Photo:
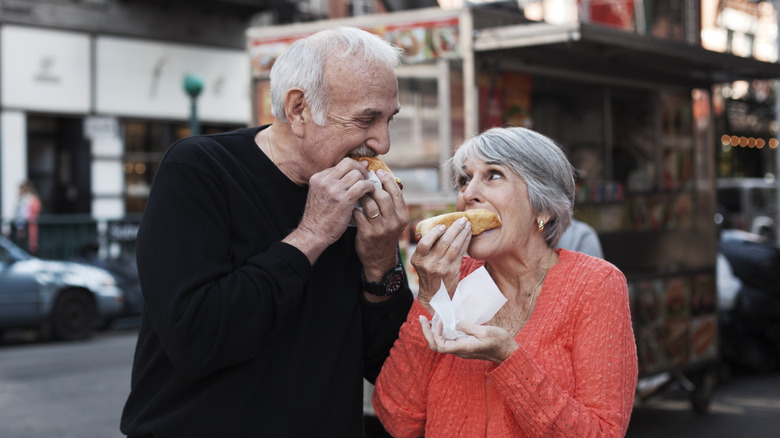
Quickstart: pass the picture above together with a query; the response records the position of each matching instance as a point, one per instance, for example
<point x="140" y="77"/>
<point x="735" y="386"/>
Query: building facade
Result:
<point x="91" y="95"/>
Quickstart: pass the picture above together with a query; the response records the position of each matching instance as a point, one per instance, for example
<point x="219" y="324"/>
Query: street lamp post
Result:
<point x="193" y="85"/>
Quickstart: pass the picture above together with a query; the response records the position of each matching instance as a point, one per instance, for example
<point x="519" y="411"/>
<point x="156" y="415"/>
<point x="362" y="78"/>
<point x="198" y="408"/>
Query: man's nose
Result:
<point x="379" y="139"/>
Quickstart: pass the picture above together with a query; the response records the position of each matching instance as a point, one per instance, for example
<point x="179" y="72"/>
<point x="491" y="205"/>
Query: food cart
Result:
<point x="634" y="115"/>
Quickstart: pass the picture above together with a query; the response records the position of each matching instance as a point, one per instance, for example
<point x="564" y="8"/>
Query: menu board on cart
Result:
<point x="674" y="321"/>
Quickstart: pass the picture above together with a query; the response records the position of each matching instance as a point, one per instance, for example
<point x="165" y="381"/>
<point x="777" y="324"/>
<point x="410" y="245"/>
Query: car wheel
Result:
<point x="73" y="316"/>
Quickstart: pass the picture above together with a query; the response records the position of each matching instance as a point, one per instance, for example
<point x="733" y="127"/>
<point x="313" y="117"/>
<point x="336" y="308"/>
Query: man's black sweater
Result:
<point x="241" y="336"/>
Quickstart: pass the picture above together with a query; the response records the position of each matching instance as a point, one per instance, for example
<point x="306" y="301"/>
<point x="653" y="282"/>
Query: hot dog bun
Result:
<point x="374" y="163"/>
<point x="481" y="220"/>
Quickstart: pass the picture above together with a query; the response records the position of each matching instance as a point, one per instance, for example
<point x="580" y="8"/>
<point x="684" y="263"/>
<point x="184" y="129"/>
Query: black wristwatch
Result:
<point x="390" y="284"/>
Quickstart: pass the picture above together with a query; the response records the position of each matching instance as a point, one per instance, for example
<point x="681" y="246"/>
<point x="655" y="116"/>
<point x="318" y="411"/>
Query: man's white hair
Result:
<point x="302" y="65"/>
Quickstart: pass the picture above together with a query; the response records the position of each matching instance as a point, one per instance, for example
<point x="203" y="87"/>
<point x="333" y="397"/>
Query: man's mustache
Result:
<point x="363" y="151"/>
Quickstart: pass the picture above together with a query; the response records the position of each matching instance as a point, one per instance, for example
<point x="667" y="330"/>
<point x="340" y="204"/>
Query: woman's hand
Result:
<point x="483" y="342"/>
<point x="438" y="258"/>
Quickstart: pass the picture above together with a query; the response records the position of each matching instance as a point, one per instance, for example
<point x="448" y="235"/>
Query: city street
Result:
<point x="746" y="406"/>
<point x="65" y="389"/>
<point x="77" y="390"/>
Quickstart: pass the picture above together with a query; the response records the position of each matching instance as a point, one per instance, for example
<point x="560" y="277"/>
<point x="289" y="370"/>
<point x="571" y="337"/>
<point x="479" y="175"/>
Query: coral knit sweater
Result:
<point x="574" y="373"/>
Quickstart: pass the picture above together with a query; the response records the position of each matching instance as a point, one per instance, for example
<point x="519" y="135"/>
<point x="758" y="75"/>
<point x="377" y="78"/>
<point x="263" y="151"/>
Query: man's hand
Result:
<point x="380" y="225"/>
<point x="333" y="194"/>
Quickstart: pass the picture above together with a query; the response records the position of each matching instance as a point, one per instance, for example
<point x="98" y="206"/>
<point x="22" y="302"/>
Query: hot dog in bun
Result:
<point x="374" y="163"/>
<point x="481" y="220"/>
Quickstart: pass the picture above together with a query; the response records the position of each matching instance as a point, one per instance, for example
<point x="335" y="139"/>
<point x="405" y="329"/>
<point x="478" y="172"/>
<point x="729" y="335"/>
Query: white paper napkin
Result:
<point x="374" y="179"/>
<point x="476" y="299"/>
<point x="377" y="182"/>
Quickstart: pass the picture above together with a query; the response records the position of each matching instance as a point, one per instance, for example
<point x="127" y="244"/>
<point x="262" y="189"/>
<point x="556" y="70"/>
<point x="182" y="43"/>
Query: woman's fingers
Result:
<point x="471" y="328"/>
<point x="428" y="333"/>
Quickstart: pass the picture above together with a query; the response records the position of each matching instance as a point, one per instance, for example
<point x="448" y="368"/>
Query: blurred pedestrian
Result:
<point x="583" y="238"/>
<point x="269" y="295"/>
<point x="28" y="208"/>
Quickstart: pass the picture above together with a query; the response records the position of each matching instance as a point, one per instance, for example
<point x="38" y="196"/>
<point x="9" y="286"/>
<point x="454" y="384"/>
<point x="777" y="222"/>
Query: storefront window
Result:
<point x="145" y="145"/>
<point x="58" y="163"/>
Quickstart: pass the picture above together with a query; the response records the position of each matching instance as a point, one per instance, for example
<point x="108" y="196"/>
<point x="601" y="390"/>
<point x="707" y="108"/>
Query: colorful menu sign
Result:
<point x="421" y="41"/>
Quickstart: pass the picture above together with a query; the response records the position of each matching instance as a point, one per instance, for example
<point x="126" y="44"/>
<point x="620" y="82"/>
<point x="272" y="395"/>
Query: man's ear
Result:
<point x="295" y="109"/>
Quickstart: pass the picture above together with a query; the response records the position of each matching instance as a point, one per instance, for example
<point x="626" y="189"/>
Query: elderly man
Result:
<point x="269" y="259"/>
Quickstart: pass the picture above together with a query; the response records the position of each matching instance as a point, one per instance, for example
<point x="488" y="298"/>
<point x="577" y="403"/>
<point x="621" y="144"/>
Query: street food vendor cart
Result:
<point x="634" y="115"/>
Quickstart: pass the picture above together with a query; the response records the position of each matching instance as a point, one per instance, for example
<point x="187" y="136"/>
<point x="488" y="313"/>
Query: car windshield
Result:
<point x="10" y="252"/>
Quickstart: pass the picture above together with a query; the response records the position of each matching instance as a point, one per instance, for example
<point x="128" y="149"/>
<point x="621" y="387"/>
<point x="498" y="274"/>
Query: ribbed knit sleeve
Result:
<point x="401" y="390"/>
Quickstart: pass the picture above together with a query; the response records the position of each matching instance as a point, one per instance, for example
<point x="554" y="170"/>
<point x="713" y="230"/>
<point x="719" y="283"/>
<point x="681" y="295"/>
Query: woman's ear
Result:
<point x="295" y="109"/>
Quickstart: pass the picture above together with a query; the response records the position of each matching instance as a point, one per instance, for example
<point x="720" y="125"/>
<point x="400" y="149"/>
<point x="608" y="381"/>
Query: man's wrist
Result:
<point x="389" y="284"/>
<point x="378" y="267"/>
<point x="307" y="242"/>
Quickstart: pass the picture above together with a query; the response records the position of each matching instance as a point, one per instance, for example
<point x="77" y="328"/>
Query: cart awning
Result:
<point x="603" y="52"/>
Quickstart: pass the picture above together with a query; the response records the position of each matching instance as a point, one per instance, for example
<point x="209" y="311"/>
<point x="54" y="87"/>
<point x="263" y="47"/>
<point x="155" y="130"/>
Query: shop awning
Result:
<point x="603" y="53"/>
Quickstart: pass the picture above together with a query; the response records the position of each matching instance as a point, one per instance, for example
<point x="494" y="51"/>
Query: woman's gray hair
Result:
<point x="538" y="160"/>
<point x="302" y="65"/>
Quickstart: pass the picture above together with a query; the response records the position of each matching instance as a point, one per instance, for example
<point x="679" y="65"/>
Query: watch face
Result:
<point x="395" y="282"/>
<point x="390" y="284"/>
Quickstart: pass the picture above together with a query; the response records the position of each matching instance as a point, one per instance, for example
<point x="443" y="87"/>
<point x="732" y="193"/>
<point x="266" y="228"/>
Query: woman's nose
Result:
<point x="470" y="192"/>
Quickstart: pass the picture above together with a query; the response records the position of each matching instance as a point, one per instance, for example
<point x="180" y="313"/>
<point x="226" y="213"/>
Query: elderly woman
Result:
<point x="559" y="358"/>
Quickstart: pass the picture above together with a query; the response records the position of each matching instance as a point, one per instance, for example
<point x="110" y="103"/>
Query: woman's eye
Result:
<point x="495" y="174"/>
<point x="463" y="181"/>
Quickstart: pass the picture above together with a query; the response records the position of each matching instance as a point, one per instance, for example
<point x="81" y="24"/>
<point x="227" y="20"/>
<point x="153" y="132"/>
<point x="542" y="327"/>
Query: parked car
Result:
<point x="124" y="269"/>
<point x="63" y="300"/>
<point x="749" y="301"/>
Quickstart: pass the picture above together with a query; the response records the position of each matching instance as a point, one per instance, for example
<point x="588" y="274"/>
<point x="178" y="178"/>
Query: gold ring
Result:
<point x="374" y="216"/>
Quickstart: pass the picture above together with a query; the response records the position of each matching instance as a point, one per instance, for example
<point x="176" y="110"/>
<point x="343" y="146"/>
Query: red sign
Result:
<point x="615" y="13"/>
